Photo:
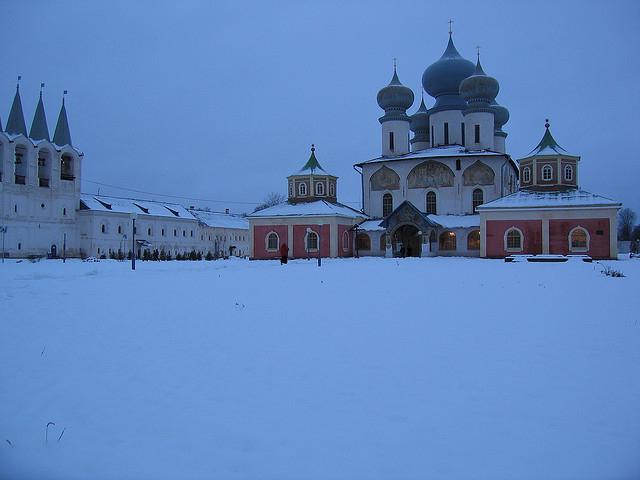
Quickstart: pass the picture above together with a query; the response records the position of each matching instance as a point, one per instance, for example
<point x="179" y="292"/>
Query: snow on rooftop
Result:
<point x="317" y="208"/>
<point x="130" y="205"/>
<point x="220" y="220"/>
<point x="456" y="221"/>
<point x="444" y="151"/>
<point x="372" y="226"/>
<point x="532" y="199"/>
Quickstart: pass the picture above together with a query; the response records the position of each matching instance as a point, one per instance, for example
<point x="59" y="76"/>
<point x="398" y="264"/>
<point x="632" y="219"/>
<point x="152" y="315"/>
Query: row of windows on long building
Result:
<point x="477" y="199"/>
<point x="163" y="233"/>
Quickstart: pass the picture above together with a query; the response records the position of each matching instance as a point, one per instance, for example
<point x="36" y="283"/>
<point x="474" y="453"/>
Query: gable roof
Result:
<point x="319" y="208"/>
<point x="555" y="199"/>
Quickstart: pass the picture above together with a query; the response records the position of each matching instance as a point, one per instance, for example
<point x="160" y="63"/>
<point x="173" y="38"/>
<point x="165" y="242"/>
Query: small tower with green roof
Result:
<point x="312" y="182"/>
<point x="549" y="167"/>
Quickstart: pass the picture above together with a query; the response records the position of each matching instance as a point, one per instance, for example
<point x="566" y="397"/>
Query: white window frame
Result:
<point x="475" y="210"/>
<point x="345" y="241"/>
<point x="426" y="203"/>
<point x="302" y="189"/>
<point x="568" y="169"/>
<point x="526" y="174"/>
<point x="266" y="242"/>
<point x="579" y="249"/>
<point x="306" y="242"/>
<point x="506" y="233"/>
<point x="547" y="168"/>
<point x="320" y="189"/>
<point x="332" y="189"/>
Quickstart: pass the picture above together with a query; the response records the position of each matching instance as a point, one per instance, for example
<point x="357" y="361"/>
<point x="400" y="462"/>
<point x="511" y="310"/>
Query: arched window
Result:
<point x="273" y="241"/>
<point x="473" y="240"/>
<point x="149" y="231"/>
<point x="345" y="241"/>
<point x="432" y="203"/>
<point x="478" y="199"/>
<point x="364" y="242"/>
<point x="387" y="204"/>
<point x="319" y="188"/>
<point x="526" y="174"/>
<point x="513" y="240"/>
<point x="383" y="242"/>
<point x="302" y="189"/>
<point x="568" y="172"/>
<point x="547" y="173"/>
<point x="332" y="189"/>
<point x="578" y="240"/>
<point x="119" y="229"/>
<point x="103" y="228"/>
<point x="311" y="241"/>
<point x="447" y="241"/>
<point x="66" y="167"/>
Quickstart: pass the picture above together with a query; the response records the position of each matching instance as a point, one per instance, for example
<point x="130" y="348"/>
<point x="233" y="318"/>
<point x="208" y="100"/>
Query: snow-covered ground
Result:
<point x="440" y="368"/>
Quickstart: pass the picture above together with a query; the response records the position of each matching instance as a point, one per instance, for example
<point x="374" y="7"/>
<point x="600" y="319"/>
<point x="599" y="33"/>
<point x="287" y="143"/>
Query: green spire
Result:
<point x="548" y="144"/>
<point x="15" y="122"/>
<point x="312" y="164"/>
<point x="62" y="136"/>
<point x="39" y="127"/>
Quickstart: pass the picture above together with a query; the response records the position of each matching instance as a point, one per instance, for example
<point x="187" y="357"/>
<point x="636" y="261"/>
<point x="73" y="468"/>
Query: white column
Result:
<point x="290" y="239"/>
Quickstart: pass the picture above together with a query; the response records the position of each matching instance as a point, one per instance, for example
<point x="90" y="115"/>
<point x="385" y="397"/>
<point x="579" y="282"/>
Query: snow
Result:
<point x="371" y="226"/>
<point x="456" y="221"/>
<point x="417" y="368"/>
<point x="317" y="208"/>
<point x="220" y="220"/>
<point x="443" y="151"/>
<point x="531" y="199"/>
<point x="130" y="205"/>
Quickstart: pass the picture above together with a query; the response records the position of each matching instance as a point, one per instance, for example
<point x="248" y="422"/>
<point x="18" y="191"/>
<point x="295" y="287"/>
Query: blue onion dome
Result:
<point x="479" y="88"/>
<point x="500" y="115"/>
<point x="420" y="119"/>
<point x="442" y="78"/>
<point x="394" y="99"/>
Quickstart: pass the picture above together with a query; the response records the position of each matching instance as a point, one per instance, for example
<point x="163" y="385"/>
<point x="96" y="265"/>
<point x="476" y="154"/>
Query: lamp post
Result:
<point x="355" y="241"/>
<point x="3" y="230"/>
<point x="133" y="241"/>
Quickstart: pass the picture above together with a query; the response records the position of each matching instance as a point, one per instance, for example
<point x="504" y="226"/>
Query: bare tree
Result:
<point x="273" y="198"/>
<point x="626" y="221"/>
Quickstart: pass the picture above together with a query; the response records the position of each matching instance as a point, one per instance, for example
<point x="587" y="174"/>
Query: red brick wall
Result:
<point x="260" y="233"/>
<point x="531" y="229"/>
<point x="341" y="251"/>
<point x="598" y="244"/>
<point x="299" y="232"/>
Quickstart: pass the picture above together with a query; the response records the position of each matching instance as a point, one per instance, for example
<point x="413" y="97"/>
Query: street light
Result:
<point x="133" y="241"/>
<point x="3" y="230"/>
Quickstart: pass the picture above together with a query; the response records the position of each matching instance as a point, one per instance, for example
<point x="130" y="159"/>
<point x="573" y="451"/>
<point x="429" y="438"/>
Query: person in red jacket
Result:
<point x="284" y="253"/>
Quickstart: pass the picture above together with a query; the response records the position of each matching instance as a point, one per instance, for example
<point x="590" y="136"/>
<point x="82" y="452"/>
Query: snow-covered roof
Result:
<point x="456" y="221"/>
<point x="559" y="199"/>
<point x="220" y="220"/>
<point x="372" y="226"/>
<point x="131" y="205"/>
<point x="444" y="151"/>
<point x="317" y="208"/>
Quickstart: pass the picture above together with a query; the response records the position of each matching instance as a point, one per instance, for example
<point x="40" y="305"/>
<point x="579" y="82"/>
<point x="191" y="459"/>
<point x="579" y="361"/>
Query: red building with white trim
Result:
<point x="550" y="214"/>
<point x="311" y="223"/>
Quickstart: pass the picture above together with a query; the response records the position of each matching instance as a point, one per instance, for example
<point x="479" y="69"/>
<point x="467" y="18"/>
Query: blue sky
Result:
<point x="221" y="100"/>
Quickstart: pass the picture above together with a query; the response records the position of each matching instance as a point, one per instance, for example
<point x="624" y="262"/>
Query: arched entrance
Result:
<point x="54" y="251"/>
<point x="407" y="241"/>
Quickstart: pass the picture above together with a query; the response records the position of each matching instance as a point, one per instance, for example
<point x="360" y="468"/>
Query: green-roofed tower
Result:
<point x="39" y="128"/>
<point x="15" y="122"/>
<point x="62" y="135"/>
<point x="549" y="167"/>
<point x="312" y="182"/>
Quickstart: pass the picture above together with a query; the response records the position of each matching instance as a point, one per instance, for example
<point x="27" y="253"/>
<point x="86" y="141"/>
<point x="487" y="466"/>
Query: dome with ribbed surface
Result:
<point x="479" y="88"/>
<point x="443" y="77"/>
<point x="395" y="98"/>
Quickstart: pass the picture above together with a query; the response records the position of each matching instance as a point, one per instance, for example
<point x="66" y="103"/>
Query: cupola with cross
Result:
<point x="549" y="167"/>
<point x="312" y="182"/>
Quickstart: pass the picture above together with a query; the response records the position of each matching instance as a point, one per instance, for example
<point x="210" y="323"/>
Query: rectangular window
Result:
<point x="446" y="133"/>
<point x="477" y="133"/>
<point x="391" y="142"/>
<point x="463" y="134"/>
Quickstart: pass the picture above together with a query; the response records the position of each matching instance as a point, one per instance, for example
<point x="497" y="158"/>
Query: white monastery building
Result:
<point x="43" y="211"/>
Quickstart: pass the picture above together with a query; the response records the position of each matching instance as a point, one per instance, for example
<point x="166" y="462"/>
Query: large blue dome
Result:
<point x="444" y="76"/>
